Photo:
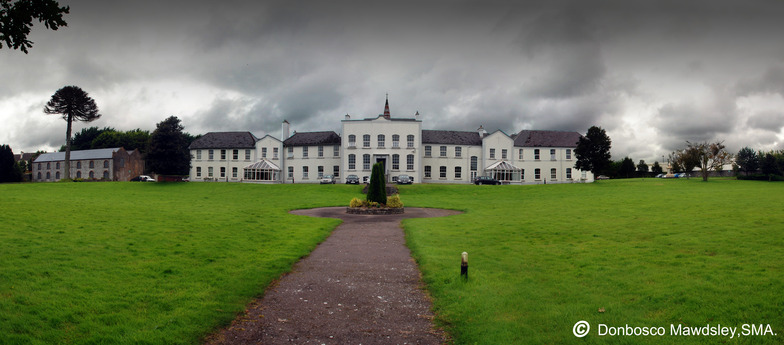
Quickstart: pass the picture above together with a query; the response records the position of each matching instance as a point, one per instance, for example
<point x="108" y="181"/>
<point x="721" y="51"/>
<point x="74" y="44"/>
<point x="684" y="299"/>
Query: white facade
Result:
<point x="428" y="156"/>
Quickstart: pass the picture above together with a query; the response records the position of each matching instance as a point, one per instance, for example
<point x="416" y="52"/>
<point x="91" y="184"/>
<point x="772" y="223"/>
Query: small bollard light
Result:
<point x="464" y="265"/>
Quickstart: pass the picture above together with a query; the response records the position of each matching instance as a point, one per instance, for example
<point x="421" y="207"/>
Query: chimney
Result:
<point x="284" y="130"/>
<point x="417" y="115"/>
<point x="348" y="117"/>
<point x="481" y="131"/>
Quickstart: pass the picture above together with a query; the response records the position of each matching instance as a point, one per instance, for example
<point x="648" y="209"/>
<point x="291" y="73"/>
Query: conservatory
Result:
<point x="262" y="171"/>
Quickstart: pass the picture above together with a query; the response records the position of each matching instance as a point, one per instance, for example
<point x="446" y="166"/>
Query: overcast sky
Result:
<point x="652" y="73"/>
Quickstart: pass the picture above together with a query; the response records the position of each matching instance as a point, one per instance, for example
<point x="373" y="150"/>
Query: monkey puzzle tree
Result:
<point x="74" y="105"/>
<point x="16" y="19"/>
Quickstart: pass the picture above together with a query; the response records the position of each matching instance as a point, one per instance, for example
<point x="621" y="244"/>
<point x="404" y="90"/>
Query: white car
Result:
<point x="327" y="179"/>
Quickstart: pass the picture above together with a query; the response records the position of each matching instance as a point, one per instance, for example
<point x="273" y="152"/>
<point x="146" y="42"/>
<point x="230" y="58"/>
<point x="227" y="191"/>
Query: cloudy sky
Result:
<point x="652" y="73"/>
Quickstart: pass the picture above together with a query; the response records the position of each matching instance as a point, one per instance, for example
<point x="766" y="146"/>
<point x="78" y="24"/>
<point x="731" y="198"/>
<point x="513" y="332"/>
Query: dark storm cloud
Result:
<point x="772" y="121"/>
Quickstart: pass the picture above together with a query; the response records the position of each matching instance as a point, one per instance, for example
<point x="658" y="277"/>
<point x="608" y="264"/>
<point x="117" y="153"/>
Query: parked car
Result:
<point x="327" y="179"/>
<point x="143" y="178"/>
<point x="660" y="176"/>
<point x="602" y="177"/>
<point x="404" y="179"/>
<point x="486" y="180"/>
<point x="352" y="179"/>
<point x="365" y="179"/>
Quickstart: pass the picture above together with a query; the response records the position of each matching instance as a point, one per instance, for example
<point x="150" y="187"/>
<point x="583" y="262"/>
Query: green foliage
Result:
<point x="747" y="160"/>
<point x="593" y="151"/>
<point x="656" y="168"/>
<point x="16" y="19"/>
<point x="73" y="104"/>
<point x="169" y="154"/>
<point x="642" y="168"/>
<point x="377" y="189"/>
<point x="627" y="168"/>
<point x="355" y="202"/>
<point x="9" y="170"/>
<point x="394" y="202"/>
<point x="533" y="274"/>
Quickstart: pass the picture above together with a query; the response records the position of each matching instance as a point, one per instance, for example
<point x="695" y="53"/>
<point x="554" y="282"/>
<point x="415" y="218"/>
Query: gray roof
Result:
<point x="451" y="137"/>
<point x="546" y="139"/>
<point x="313" y="138"/>
<point x="225" y="140"/>
<point x="77" y="155"/>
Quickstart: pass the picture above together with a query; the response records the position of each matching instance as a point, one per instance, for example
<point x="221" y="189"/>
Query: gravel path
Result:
<point x="360" y="286"/>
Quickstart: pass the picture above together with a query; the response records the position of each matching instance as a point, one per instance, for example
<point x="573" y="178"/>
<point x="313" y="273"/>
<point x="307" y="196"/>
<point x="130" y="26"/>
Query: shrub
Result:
<point x="394" y="202"/>
<point x="377" y="190"/>
<point x="355" y="202"/>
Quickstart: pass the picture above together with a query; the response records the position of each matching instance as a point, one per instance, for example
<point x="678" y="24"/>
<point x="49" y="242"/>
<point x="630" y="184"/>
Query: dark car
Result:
<point x="404" y="179"/>
<point x="486" y="180"/>
<point x="352" y="179"/>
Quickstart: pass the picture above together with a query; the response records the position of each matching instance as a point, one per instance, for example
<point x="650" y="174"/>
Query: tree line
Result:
<point x="759" y="165"/>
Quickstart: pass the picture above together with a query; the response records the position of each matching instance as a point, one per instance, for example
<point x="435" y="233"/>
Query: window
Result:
<point x="395" y="140"/>
<point x="223" y="155"/>
<point x="92" y="174"/>
<point x="321" y="151"/>
<point x="553" y="174"/>
<point x="366" y="162"/>
<point x="520" y="155"/>
<point x="78" y="165"/>
<point x="552" y="154"/>
<point x="492" y="153"/>
<point x="536" y="154"/>
<point x="105" y="174"/>
<point x="366" y="140"/>
<point x="198" y="171"/>
<point x="209" y="171"/>
<point x="568" y="154"/>
<point x="304" y="172"/>
<point x="522" y="174"/>
<point x="352" y="140"/>
<point x="443" y="151"/>
<point x="320" y="171"/>
<point x="210" y="154"/>
<point x="235" y="155"/>
<point x="49" y="174"/>
<point x="568" y="173"/>
<point x="106" y="164"/>
<point x="223" y="171"/>
<point x="291" y="172"/>
<point x="336" y="171"/>
<point x="263" y="152"/>
<point x="428" y="150"/>
<point x="304" y="152"/>
<point x="57" y="175"/>
<point x="274" y="153"/>
<point x="537" y="174"/>
<point x="234" y="171"/>
<point x="503" y="153"/>
<point x="352" y="162"/>
<point x="198" y="154"/>
<point x="458" y="152"/>
<point x="410" y="162"/>
<point x="291" y="151"/>
<point x="427" y="171"/>
<point x="57" y="165"/>
<point x="247" y="155"/>
<point x="336" y="150"/>
<point x="381" y="139"/>
<point x="584" y="174"/>
<point x="442" y="172"/>
<point x="474" y="163"/>
<point x="410" y="140"/>
<point x="39" y="168"/>
<point x="395" y="162"/>
<point x="458" y="172"/>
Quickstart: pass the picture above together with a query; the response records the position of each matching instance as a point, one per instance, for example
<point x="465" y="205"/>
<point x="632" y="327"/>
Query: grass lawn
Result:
<point x="649" y="252"/>
<point x="137" y="263"/>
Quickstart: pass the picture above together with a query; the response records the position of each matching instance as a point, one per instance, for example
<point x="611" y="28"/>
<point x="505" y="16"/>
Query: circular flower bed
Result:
<point x="393" y="206"/>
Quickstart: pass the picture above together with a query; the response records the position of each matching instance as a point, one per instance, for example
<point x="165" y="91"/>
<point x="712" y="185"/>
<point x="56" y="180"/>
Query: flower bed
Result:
<point x="374" y="210"/>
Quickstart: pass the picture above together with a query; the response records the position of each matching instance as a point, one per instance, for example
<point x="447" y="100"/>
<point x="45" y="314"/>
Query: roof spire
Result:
<point x="386" y="108"/>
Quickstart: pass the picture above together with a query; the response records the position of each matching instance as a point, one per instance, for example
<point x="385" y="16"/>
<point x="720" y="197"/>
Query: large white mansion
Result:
<point x="429" y="156"/>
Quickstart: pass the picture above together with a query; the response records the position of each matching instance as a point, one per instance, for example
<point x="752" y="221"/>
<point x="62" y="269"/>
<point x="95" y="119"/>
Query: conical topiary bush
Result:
<point x="377" y="190"/>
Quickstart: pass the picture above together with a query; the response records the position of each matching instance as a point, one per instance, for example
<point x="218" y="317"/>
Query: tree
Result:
<point x="169" y="154"/>
<point x="642" y="168"/>
<point x="16" y="19"/>
<point x="656" y="168"/>
<point x="769" y="166"/>
<point x="747" y="160"/>
<point x="627" y="168"/>
<point x="709" y="157"/>
<point x="685" y="160"/>
<point x="593" y="151"/>
<point x="377" y="190"/>
<point x="9" y="170"/>
<point x="74" y="105"/>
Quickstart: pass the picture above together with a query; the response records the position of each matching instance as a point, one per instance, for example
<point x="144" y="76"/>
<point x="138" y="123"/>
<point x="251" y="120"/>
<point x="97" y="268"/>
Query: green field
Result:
<point x="136" y="263"/>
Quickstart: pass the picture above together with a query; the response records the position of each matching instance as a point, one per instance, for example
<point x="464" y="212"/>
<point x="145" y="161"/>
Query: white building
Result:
<point x="428" y="156"/>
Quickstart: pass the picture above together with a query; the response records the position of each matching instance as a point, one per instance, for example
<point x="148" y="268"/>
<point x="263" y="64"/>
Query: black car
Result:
<point x="486" y="180"/>
<point x="352" y="179"/>
<point x="404" y="179"/>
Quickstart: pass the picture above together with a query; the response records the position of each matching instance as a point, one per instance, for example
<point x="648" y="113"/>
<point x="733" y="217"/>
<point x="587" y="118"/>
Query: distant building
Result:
<point x="113" y="164"/>
<point x="428" y="156"/>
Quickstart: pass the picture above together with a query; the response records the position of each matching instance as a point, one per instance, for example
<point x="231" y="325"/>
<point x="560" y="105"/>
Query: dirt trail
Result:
<point x="360" y="286"/>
